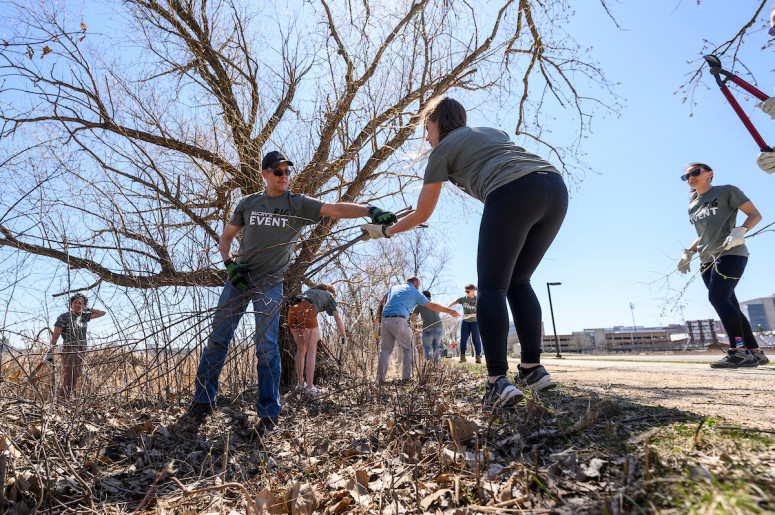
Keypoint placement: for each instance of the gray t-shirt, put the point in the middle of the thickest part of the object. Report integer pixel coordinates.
(469, 308)
(714, 215)
(321, 300)
(479, 160)
(429, 317)
(73, 328)
(271, 229)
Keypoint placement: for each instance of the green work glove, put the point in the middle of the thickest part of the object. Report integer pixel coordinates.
(381, 217)
(237, 274)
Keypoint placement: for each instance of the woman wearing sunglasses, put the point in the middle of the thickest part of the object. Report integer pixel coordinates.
(723, 256)
(525, 200)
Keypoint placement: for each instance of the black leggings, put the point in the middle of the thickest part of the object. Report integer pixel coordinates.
(519, 222)
(721, 277)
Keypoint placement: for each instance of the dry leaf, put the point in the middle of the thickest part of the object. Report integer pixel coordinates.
(358, 486)
(534, 409)
(432, 498)
(270, 503)
(144, 428)
(303, 499)
(46, 50)
(83, 26)
(462, 430)
(342, 506)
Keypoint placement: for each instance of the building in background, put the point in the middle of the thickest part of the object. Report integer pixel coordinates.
(760, 312)
(704, 332)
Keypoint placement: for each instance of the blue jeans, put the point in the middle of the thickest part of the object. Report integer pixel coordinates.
(431, 341)
(471, 328)
(267, 299)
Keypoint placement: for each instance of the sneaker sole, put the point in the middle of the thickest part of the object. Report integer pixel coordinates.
(545, 383)
(713, 365)
(509, 401)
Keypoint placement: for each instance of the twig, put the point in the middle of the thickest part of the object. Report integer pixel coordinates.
(746, 429)
(166, 470)
(251, 505)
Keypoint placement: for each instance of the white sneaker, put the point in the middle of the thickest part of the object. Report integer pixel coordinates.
(315, 392)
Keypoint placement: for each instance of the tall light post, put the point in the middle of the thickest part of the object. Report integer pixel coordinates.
(634, 327)
(554, 327)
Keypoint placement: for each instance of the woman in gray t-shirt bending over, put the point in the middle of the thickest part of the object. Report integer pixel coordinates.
(525, 201)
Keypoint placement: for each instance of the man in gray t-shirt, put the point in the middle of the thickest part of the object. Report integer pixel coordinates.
(432, 329)
(270, 223)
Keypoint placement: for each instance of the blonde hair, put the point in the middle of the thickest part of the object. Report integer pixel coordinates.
(327, 287)
(470, 287)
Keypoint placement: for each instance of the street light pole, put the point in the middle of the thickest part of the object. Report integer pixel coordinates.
(634, 327)
(554, 327)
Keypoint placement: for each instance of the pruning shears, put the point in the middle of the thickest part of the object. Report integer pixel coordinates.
(718, 72)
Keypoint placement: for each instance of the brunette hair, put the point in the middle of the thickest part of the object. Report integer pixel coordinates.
(413, 279)
(470, 287)
(704, 167)
(447, 112)
(427, 294)
(327, 287)
(79, 296)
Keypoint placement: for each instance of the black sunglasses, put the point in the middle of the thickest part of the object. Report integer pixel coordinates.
(280, 173)
(693, 173)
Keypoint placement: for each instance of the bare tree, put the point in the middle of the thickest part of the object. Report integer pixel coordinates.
(126, 148)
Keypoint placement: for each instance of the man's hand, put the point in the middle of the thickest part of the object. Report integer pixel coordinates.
(768, 106)
(381, 217)
(766, 161)
(375, 231)
(686, 258)
(237, 274)
(454, 313)
(736, 237)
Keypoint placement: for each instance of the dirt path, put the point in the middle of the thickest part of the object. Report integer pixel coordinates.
(744, 396)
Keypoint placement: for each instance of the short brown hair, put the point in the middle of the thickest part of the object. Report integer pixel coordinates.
(447, 112)
(470, 286)
(327, 287)
(413, 279)
(79, 296)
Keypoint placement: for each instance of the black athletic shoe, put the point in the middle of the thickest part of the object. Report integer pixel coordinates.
(197, 411)
(736, 359)
(501, 393)
(266, 425)
(760, 357)
(536, 378)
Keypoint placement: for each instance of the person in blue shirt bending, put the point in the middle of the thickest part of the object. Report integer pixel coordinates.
(399, 302)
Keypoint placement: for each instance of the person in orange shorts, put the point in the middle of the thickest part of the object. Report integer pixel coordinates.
(303, 322)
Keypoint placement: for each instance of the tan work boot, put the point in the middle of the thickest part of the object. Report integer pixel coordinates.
(462, 358)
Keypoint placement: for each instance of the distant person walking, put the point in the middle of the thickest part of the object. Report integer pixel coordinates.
(398, 304)
(432, 329)
(525, 201)
(469, 324)
(723, 254)
(72, 327)
(303, 322)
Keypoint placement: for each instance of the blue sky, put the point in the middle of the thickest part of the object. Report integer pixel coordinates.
(627, 221)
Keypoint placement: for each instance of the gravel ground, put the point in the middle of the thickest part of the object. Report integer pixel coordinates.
(741, 396)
